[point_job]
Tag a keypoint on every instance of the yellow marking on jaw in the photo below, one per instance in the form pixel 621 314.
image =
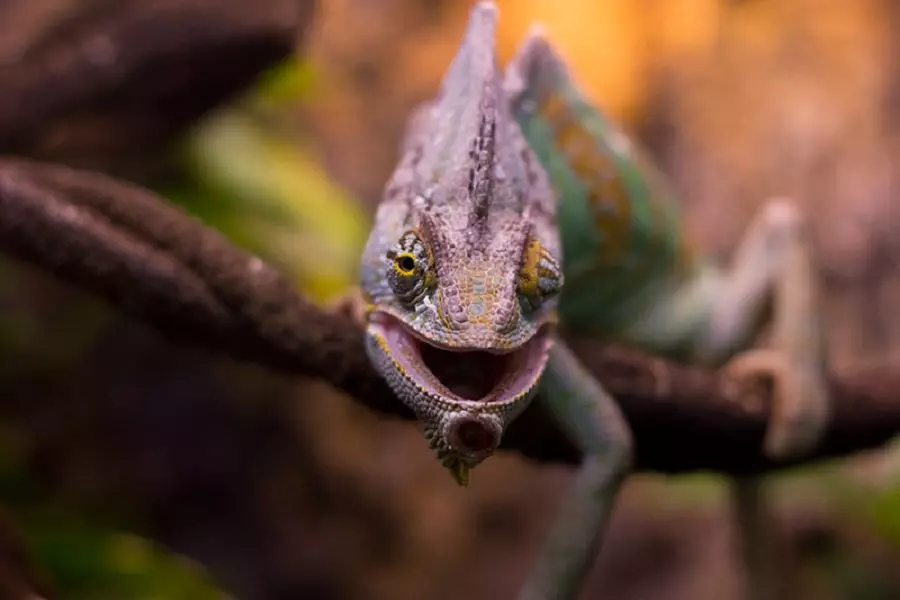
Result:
pixel 383 344
pixel 385 347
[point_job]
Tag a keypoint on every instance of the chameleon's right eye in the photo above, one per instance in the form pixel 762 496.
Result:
pixel 540 276
pixel 409 268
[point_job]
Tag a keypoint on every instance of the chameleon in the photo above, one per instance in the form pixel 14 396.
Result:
pixel 518 211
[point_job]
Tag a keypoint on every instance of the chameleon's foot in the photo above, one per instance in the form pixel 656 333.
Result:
pixel 350 304
pixel 799 416
pixel 800 408
pixel 774 264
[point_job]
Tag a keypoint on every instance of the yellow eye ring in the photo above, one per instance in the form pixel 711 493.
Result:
pixel 405 264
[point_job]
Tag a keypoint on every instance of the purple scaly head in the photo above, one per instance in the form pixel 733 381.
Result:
pixel 462 269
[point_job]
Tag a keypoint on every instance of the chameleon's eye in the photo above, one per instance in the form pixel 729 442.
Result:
pixel 409 268
pixel 540 276
pixel 406 264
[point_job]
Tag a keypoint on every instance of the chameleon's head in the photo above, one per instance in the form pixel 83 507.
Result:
pixel 462 269
pixel 463 335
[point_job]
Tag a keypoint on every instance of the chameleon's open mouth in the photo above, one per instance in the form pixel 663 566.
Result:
pixel 475 376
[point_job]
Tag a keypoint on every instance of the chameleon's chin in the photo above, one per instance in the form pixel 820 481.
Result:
pixel 477 380
pixel 464 398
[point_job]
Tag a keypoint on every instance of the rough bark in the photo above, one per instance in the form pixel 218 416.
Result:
pixel 110 85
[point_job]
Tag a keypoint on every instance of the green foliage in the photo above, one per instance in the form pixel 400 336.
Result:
pixel 92 564
pixel 83 554
pixel 878 505
pixel 252 176
pixel 247 176
pixel 884 512
pixel 29 317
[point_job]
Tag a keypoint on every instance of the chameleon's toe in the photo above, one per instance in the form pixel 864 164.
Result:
pixel 800 403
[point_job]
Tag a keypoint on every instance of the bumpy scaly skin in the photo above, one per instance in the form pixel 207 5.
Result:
pixel 464 257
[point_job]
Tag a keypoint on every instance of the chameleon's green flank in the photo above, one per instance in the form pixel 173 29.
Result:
pixel 632 276
pixel 516 206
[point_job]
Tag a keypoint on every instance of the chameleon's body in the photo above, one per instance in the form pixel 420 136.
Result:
pixel 631 273
pixel 503 180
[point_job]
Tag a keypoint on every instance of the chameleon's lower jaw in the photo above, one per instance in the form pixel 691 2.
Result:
pixel 464 398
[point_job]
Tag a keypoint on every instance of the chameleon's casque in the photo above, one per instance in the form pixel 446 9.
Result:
pixel 462 269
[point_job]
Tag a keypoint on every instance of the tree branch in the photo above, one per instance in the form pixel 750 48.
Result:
pixel 155 263
pixel 111 84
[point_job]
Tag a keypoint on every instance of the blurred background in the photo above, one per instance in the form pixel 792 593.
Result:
pixel 127 462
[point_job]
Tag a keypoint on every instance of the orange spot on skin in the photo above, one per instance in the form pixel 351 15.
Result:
pixel 605 189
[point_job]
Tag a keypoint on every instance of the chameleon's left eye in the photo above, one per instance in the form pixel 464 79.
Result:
pixel 540 276
pixel 409 268
pixel 406 264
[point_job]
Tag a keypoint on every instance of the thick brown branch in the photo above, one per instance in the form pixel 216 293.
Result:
pixel 112 83
pixel 150 260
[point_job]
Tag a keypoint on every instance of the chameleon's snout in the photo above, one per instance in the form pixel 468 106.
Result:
pixel 473 435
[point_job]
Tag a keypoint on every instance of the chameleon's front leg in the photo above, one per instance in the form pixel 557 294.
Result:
pixel 773 263
pixel 592 420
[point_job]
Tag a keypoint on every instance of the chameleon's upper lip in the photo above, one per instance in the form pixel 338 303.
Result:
pixel 467 376
pixel 389 317
pixel 476 337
